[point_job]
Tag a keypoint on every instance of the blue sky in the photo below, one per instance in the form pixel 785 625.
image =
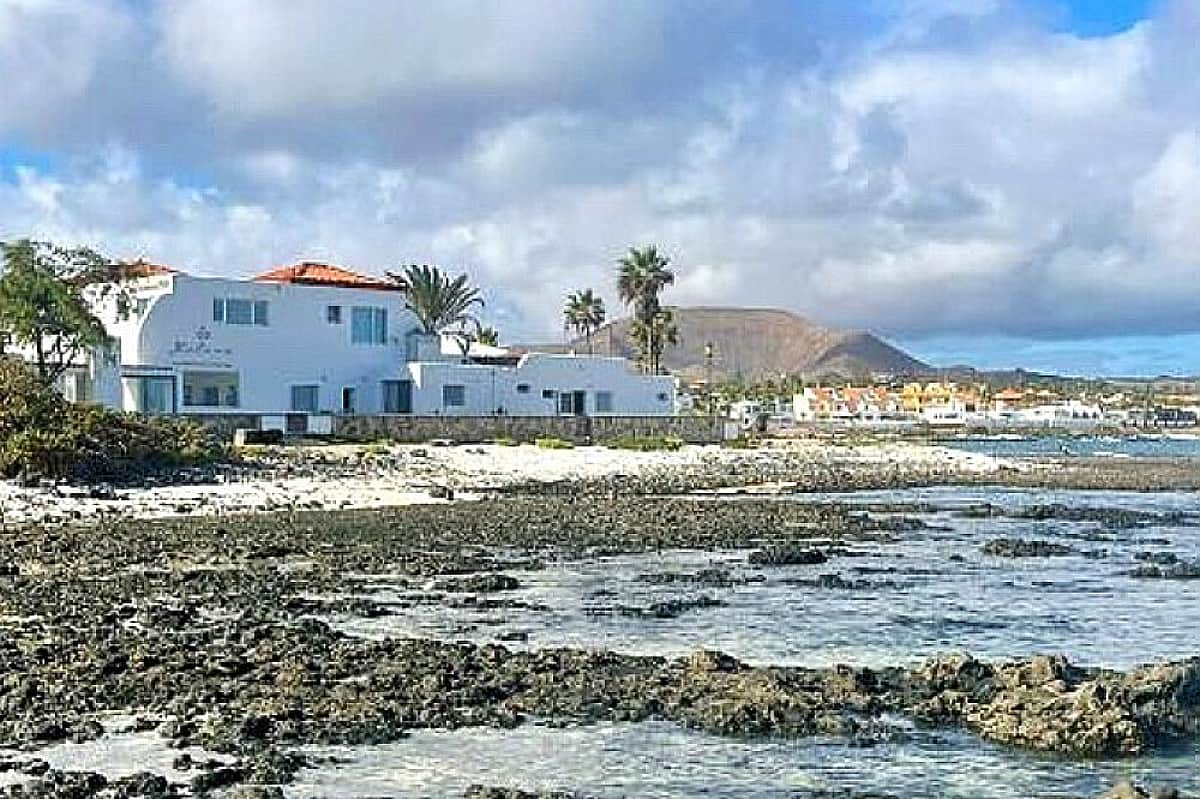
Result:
pixel 996 182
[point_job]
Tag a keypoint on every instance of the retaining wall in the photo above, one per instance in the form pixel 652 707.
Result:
pixel 474 429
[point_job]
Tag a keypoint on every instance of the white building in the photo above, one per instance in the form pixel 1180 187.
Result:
pixel 316 339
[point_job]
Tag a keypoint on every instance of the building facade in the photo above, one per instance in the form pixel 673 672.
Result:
pixel 314 339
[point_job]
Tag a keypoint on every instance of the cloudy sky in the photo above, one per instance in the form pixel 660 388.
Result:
pixel 1001 182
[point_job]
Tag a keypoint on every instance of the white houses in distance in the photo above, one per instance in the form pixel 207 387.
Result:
pixel 318 339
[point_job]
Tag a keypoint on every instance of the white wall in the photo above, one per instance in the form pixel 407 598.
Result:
pixel 496 389
pixel 173 331
pixel 298 346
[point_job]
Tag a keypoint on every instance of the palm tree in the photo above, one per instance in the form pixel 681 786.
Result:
pixel 652 337
pixel 489 336
pixel 584 313
pixel 641 277
pixel 437 300
pixel 441 302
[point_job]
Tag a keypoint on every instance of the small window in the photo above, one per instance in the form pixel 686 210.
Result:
pixel 333 314
pixel 604 402
pixel 240 312
pixel 549 393
pixel 663 396
pixel 522 388
pixel 454 396
pixel 368 325
pixel 304 399
pixel 349 397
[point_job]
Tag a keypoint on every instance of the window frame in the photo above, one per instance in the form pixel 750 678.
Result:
pixel 461 390
pixel 377 325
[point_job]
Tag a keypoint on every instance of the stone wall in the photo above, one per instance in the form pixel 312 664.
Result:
pixel 474 429
pixel 580 429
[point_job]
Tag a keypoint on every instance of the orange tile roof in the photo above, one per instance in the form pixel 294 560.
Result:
pixel 310 273
pixel 130 270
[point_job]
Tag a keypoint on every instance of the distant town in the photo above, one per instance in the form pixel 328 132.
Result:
pixel 945 404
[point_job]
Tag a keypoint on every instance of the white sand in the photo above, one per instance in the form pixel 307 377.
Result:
pixel 405 475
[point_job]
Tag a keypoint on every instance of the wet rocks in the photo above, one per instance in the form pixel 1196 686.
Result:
pixel 787 556
pixel 1171 568
pixel 479 584
pixel 488 792
pixel 835 582
pixel 1026 548
pixel 670 608
pixel 712 577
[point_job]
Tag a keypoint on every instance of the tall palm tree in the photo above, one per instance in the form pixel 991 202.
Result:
pixel 652 337
pixel 437 300
pixel 489 336
pixel 641 277
pixel 584 313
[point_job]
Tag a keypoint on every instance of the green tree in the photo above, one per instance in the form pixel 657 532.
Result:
pixel 652 337
pixel 441 304
pixel 43 307
pixel 489 336
pixel 641 277
pixel 584 313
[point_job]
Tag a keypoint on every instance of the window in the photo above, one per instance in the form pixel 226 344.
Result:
pixel 305 398
pixel 333 314
pixel 549 393
pixel 663 396
pixel 349 397
pixel 604 402
pixel 210 390
pixel 152 394
pixel 566 402
pixel 397 396
pixel 522 388
pixel 454 396
pixel 240 312
pixel 368 325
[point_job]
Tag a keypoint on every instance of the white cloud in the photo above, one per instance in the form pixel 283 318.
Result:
pixel 1009 180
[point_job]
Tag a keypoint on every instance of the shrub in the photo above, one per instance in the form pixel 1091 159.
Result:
pixel 742 442
pixel 505 441
pixel 646 443
pixel 43 434
pixel 555 443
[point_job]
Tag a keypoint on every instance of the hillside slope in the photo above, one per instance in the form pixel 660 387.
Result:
pixel 757 343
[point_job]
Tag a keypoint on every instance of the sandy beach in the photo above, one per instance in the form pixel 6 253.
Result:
pixel 357 477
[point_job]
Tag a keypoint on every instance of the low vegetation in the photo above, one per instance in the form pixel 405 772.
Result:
pixel 43 435
pixel 646 443
pixel 555 443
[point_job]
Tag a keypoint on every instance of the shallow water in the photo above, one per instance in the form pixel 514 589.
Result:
pixel 1167 445
pixel 933 591
pixel 662 760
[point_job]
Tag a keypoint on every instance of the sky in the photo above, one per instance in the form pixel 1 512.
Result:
pixel 993 182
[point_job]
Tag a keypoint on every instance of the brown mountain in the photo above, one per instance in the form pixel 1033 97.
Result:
pixel 757 343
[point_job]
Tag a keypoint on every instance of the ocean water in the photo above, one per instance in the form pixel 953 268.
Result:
pixel 660 760
pixel 927 593
pixel 1165 445
pixel 944 595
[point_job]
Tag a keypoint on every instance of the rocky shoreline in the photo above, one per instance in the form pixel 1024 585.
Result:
pixel 209 632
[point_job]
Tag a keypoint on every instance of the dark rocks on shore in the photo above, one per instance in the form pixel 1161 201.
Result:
pixel 1175 570
pixel 787 556
pixel 479 584
pixel 185 622
pixel 838 583
pixel 488 792
pixel 1026 548
pixel 669 608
